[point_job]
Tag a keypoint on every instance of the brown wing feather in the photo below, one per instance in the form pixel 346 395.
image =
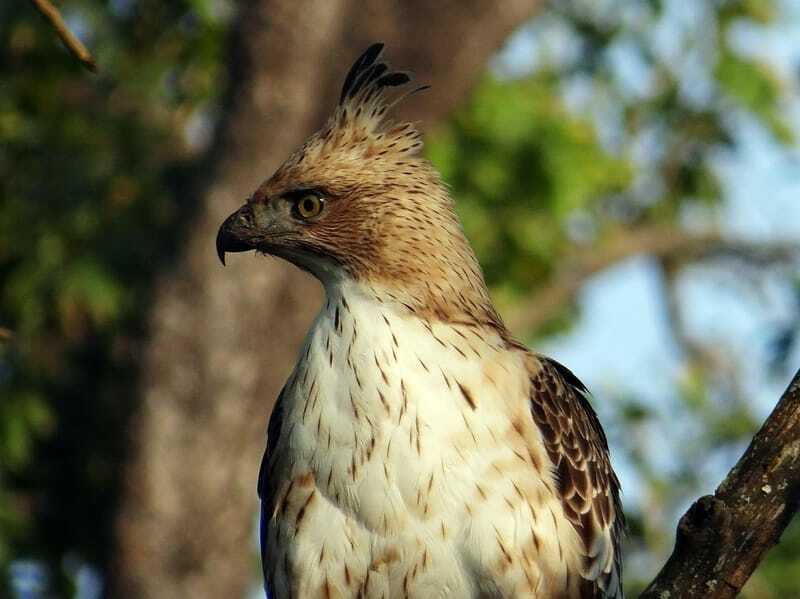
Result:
pixel 589 489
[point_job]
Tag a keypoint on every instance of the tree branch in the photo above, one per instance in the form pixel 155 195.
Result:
pixel 722 538
pixel 73 44
pixel 661 241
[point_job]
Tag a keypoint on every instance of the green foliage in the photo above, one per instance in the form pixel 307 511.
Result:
pixel 754 87
pixel 520 163
pixel 88 168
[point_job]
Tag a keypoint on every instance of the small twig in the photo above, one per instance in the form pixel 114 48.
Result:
pixel 73 44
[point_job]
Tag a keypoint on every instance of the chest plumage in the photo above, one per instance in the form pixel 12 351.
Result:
pixel 407 463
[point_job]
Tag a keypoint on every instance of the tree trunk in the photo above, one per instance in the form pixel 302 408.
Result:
pixel 222 341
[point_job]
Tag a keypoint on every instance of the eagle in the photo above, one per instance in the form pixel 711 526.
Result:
pixel 417 449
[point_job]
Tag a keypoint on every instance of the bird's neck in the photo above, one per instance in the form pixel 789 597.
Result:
pixel 445 296
pixel 366 333
pixel 419 260
pixel 367 339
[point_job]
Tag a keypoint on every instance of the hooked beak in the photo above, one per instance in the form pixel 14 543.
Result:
pixel 234 233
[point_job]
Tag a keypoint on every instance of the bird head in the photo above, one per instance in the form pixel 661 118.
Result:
pixel 357 201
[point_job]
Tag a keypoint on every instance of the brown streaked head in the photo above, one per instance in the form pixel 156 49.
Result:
pixel 322 208
pixel 358 201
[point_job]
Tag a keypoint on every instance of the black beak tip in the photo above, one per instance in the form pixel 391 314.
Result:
pixel 229 237
pixel 221 245
pixel 220 250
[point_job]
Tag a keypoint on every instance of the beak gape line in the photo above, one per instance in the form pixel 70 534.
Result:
pixel 229 235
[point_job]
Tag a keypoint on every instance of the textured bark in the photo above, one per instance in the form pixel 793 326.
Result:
pixel 222 341
pixel 722 538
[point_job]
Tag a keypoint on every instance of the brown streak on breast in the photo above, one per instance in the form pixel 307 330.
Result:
pixel 535 462
pixel 302 511
pixel 481 491
pixel 506 555
pixel 471 432
pixel 467 395
pixel 389 556
pixel 521 457
pixel 446 380
pixel 353 404
pixel 384 402
pixel 347 578
pixel 280 505
pixel 380 368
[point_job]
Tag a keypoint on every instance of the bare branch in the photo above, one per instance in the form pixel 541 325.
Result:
pixel 722 538
pixel 666 242
pixel 73 44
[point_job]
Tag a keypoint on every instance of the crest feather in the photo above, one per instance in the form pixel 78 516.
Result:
pixel 360 119
pixel 363 62
pixel 368 76
pixel 366 82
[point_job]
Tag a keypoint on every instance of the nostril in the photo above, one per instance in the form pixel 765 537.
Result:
pixel 245 215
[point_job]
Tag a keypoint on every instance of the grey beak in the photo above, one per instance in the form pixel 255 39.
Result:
pixel 229 236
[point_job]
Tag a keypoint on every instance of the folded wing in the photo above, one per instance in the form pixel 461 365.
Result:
pixel 588 487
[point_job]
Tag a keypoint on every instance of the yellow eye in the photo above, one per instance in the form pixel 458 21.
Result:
pixel 308 206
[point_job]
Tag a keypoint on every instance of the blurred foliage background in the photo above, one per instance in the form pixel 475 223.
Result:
pixel 595 136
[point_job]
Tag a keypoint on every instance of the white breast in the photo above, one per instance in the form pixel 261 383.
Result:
pixel 408 462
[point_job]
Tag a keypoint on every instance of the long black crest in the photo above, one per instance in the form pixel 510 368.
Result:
pixel 369 71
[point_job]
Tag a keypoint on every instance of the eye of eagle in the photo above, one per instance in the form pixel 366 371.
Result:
pixel 307 206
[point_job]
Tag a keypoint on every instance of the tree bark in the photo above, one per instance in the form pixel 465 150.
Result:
pixel 222 341
pixel 723 537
